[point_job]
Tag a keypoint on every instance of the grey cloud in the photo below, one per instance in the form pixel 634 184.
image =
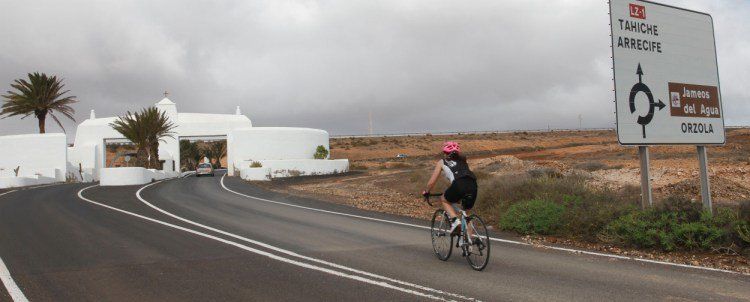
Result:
pixel 417 65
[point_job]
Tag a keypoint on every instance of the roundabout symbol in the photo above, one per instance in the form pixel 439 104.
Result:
pixel 640 87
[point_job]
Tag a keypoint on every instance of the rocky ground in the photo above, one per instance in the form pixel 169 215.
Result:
pixel 383 183
pixel 674 169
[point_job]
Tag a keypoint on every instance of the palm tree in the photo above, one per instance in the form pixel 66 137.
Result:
pixel 145 129
pixel 40 95
pixel 189 154
pixel 217 150
pixel 131 127
pixel 159 127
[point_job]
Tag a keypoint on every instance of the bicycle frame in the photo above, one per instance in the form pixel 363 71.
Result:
pixel 461 213
pixel 464 241
pixel 464 224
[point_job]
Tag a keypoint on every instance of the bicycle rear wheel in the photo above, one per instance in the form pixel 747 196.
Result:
pixel 442 241
pixel 479 250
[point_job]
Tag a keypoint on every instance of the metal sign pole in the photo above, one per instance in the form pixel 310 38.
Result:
pixel 705 182
pixel 646 199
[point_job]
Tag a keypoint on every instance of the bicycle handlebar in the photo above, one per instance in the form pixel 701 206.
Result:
pixel 428 195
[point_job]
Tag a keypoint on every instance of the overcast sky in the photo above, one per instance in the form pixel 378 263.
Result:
pixel 416 65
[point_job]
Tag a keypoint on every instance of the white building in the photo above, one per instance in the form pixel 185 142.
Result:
pixel 282 151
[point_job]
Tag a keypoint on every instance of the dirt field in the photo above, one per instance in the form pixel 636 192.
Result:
pixel 674 169
pixel 381 182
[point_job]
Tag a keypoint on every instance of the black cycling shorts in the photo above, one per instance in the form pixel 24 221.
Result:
pixel 463 190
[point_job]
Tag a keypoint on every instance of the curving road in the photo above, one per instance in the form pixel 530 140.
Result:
pixel 198 239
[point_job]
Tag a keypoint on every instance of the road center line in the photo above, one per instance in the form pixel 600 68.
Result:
pixel 264 253
pixel 291 253
pixel 570 250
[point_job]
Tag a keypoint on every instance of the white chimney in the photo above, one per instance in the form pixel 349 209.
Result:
pixel 92 115
pixel 238 112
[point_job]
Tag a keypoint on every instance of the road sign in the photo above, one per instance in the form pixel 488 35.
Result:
pixel 666 75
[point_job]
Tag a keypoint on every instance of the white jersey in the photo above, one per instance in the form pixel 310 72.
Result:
pixel 447 173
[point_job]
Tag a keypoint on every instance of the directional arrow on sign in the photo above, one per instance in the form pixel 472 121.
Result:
pixel 640 73
pixel 660 104
pixel 640 87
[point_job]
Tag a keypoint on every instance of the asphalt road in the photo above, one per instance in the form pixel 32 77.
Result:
pixel 197 241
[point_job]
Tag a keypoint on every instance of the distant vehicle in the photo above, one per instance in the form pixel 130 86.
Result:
pixel 401 155
pixel 204 169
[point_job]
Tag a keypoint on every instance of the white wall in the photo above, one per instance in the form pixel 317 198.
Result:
pixel 93 131
pixel 127 176
pixel 88 147
pixel 255 174
pixel 43 154
pixel 292 168
pixel 272 143
pixel 14 182
pixel 83 157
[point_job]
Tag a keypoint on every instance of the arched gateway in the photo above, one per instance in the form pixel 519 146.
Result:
pixel 280 151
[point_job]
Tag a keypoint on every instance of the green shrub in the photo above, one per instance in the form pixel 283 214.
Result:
pixel 321 152
pixel 630 229
pixel 533 217
pixel 586 216
pixel 744 211
pixel 697 235
pixel 670 228
pixel 683 207
pixel 587 210
pixel 256 164
pixel 566 206
pixel 743 232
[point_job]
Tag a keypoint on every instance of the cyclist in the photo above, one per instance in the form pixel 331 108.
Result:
pixel 463 187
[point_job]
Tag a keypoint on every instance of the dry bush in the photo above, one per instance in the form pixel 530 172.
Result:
pixel 544 172
pixel 358 166
pixel 397 165
pixel 590 166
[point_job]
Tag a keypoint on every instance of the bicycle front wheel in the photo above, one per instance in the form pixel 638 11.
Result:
pixel 479 248
pixel 442 241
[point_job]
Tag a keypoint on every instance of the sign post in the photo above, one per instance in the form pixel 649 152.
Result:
pixel 705 183
pixel 666 82
pixel 646 199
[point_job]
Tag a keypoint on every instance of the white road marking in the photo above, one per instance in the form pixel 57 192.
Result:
pixel 15 293
pixel 291 253
pixel 576 251
pixel 11 191
pixel 267 254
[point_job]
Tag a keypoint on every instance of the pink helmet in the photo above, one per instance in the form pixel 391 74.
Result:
pixel 449 147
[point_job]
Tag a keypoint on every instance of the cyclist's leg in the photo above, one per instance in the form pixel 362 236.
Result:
pixel 451 195
pixel 467 203
pixel 448 207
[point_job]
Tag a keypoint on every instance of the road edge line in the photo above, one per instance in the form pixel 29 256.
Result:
pixel 294 254
pixel 570 250
pixel 259 252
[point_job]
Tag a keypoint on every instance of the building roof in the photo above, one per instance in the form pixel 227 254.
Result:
pixel 183 117
pixel 165 101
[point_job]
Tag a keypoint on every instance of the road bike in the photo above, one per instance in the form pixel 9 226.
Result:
pixel 472 237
